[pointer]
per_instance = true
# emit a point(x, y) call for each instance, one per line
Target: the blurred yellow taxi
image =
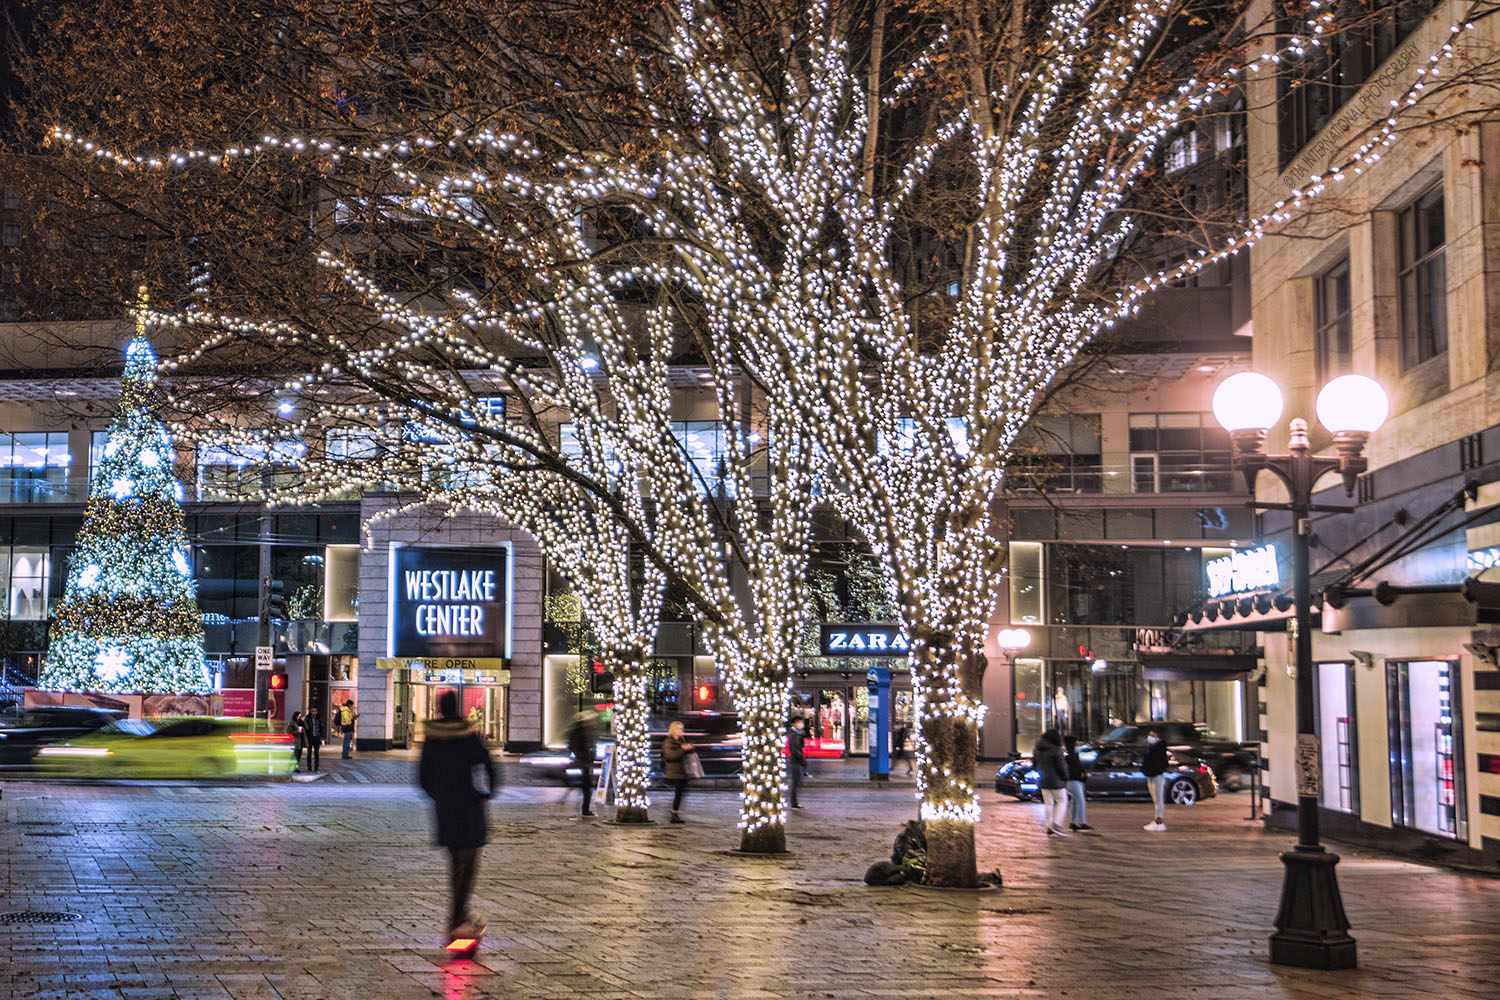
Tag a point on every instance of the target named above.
point(191, 747)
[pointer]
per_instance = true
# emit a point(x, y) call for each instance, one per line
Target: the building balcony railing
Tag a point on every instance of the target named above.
point(1147, 474)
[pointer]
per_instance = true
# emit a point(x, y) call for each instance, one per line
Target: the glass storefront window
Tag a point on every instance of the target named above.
point(1336, 732)
point(1026, 582)
point(1427, 760)
point(29, 571)
point(1029, 704)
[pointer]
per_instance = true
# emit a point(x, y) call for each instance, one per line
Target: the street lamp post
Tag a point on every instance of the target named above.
point(1312, 930)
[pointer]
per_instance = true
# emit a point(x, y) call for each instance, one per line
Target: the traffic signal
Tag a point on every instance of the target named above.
point(601, 681)
point(708, 694)
point(275, 599)
point(276, 682)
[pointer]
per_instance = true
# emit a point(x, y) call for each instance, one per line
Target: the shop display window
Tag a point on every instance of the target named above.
point(1426, 740)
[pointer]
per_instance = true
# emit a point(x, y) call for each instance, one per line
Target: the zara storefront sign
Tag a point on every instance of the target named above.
point(850, 639)
point(1243, 572)
point(449, 603)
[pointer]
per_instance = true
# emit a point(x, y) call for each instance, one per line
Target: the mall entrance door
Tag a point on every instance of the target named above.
point(485, 705)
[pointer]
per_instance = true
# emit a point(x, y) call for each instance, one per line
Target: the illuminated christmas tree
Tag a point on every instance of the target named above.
point(129, 620)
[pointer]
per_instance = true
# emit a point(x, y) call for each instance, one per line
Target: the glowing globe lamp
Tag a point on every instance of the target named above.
point(1248, 401)
point(1352, 404)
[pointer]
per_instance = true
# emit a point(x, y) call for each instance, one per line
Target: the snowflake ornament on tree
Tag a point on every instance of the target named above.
point(129, 619)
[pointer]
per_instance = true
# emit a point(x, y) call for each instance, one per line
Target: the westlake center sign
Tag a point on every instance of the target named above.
point(449, 603)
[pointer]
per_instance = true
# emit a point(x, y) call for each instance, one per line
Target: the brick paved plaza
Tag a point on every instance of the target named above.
point(330, 889)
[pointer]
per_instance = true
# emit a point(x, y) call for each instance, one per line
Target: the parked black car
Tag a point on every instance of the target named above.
point(24, 731)
point(1232, 763)
point(1115, 773)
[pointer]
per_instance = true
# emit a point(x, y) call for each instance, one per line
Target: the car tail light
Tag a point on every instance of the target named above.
point(1205, 769)
point(263, 737)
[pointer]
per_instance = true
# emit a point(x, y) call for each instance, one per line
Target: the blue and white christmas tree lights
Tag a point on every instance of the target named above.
point(129, 618)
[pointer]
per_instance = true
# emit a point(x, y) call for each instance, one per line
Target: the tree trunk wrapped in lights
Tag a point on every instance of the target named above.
point(129, 619)
point(594, 553)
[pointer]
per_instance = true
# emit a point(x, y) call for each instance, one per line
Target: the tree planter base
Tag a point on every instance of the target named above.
point(766, 840)
point(630, 817)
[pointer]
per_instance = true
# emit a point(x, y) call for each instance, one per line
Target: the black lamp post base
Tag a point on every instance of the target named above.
point(1312, 931)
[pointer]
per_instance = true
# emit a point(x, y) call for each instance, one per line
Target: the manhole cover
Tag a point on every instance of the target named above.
point(39, 917)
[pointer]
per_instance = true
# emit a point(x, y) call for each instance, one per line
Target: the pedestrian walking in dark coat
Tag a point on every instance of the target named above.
point(796, 756)
point(452, 755)
point(312, 735)
point(674, 753)
point(583, 740)
point(296, 730)
point(1052, 779)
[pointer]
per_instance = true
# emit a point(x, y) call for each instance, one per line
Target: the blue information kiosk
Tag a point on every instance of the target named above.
point(871, 640)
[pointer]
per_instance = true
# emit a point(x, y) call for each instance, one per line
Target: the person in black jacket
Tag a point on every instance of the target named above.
point(447, 771)
point(1077, 796)
point(296, 731)
point(1155, 769)
point(312, 736)
point(583, 740)
point(796, 756)
point(1052, 779)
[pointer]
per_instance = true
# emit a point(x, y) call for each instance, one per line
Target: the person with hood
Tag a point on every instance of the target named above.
point(1078, 816)
point(452, 757)
point(796, 756)
point(583, 740)
point(1052, 779)
point(1155, 769)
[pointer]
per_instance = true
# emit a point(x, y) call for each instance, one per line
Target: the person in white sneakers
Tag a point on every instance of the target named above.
point(1155, 767)
point(1052, 779)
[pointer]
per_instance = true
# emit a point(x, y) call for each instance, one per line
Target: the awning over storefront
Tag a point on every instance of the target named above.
point(1201, 665)
point(1259, 613)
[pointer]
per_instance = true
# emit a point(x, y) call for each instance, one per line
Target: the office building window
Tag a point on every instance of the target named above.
point(1331, 338)
point(1059, 454)
point(1313, 87)
point(1421, 242)
point(1183, 152)
point(12, 199)
point(37, 467)
point(12, 234)
point(1178, 453)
